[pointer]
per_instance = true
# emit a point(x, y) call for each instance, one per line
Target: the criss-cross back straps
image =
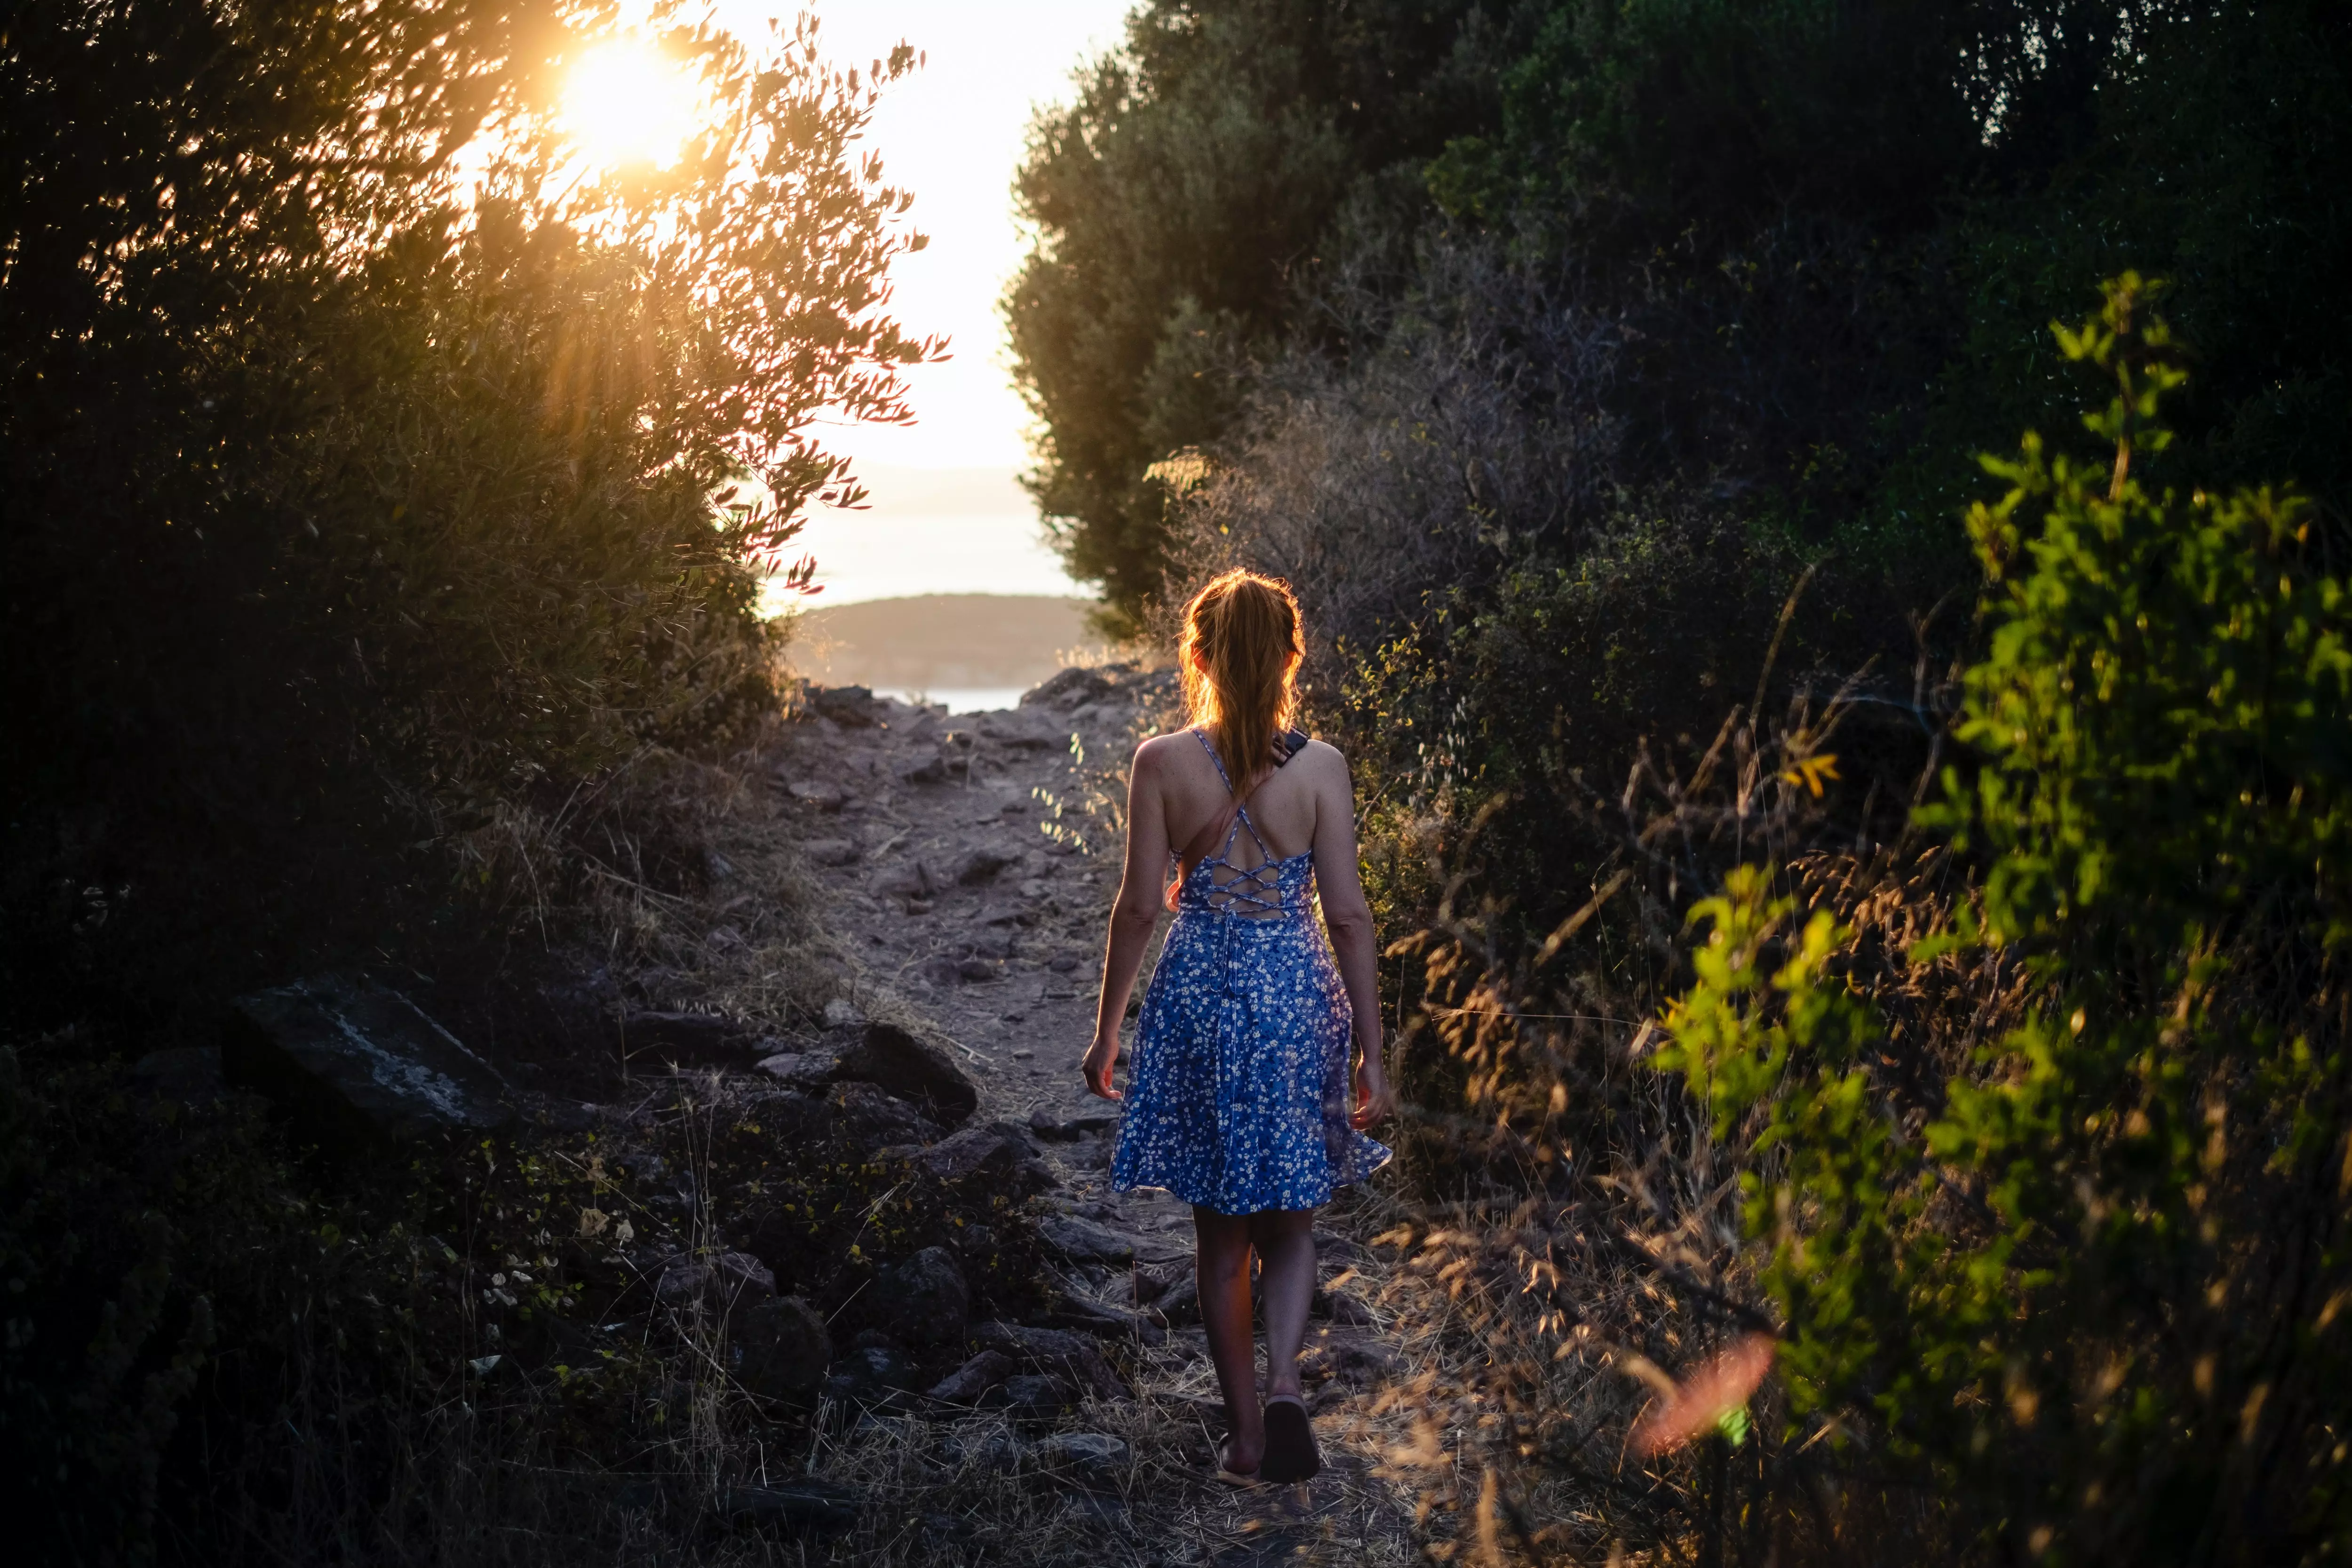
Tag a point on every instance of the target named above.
point(1254, 891)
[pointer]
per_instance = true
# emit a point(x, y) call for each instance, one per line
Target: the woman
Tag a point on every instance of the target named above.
point(1241, 1101)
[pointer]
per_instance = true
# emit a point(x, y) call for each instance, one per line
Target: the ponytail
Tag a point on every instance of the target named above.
point(1240, 655)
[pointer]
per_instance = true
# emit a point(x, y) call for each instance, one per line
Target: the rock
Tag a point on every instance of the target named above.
point(1058, 1350)
point(1034, 1395)
point(1083, 1241)
point(1027, 1343)
point(189, 1074)
point(820, 794)
point(741, 1280)
point(1104, 1321)
point(830, 851)
point(974, 1151)
point(1067, 688)
point(871, 1118)
point(1031, 731)
point(1341, 1307)
point(925, 1299)
point(850, 707)
point(782, 1348)
point(1094, 1453)
point(688, 1039)
point(913, 1070)
point(840, 1013)
point(908, 879)
point(807, 1070)
point(795, 1120)
point(798, 1509)
point(982, 865)
point(1366, 1359)
point(683, 1283)
point(973, 1378)
point(939, 971)
point(1044, 1124)
point(871, 1372)
point(358, 1063)
point(1153, 1282)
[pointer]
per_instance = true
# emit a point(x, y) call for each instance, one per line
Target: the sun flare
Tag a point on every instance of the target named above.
point(627, 104)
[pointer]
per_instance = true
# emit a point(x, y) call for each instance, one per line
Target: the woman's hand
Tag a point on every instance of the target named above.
point(1375, 1102)
point(1101, 1057)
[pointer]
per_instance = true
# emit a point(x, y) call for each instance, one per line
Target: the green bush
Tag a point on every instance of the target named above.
point(2090, 1277)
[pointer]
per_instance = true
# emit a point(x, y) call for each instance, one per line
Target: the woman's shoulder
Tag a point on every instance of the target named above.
point(1320, 755)
point(1153, 749)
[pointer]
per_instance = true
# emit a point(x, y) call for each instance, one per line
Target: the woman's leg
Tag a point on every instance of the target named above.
point(1284, 1240)
point(1222, 1268)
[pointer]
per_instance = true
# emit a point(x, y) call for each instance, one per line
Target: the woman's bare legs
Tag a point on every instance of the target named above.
point(1285, 1240)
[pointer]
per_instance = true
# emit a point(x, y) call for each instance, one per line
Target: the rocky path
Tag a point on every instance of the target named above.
point(970, 860)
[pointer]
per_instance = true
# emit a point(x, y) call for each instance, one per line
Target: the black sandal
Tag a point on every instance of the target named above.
point(1290, 1452)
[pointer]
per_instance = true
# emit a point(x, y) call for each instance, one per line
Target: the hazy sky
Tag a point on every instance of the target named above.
point(952, 134)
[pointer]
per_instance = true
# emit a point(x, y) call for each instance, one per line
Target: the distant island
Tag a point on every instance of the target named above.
point(942, 642)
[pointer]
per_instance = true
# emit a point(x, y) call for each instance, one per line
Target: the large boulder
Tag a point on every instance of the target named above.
point(973, 1378)
point(1083, 1241)
point(925, 1299)
point(782, 1349)
point(358, 1063)
point(850, 707)
point(977, 1154)
point(913, 1070)
point(1068, 689)
point(871, 1120)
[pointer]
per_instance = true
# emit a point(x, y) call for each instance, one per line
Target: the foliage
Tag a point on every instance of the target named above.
point(1179, 201)
point(346, 492)
point(219, 1348)
point(1825, 230)
point(2093, 1273)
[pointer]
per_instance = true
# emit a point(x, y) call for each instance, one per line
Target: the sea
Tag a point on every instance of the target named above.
point(863, 555)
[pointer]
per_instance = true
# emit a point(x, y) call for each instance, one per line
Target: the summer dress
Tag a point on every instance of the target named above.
point(1238, 1095)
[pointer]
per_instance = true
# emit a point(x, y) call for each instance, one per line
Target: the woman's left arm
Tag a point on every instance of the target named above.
point(1348, 916)
point(1132, 915)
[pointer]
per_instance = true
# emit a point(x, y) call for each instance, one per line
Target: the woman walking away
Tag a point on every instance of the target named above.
point(1242, 1100)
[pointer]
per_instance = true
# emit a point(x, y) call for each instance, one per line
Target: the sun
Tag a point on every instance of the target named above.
point(627, 104)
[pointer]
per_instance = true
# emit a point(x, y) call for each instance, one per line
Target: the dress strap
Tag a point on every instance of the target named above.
point(1214, 761)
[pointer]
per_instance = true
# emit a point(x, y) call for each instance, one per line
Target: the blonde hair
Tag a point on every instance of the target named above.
point(1239, 654)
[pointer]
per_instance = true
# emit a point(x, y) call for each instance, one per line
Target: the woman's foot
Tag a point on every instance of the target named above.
point(1230, 1471)
point(1290, 1452)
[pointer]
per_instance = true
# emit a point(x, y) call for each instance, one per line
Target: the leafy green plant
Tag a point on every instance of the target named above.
point(2093, 1273)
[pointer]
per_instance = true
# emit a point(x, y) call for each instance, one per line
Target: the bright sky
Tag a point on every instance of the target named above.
point(952, 133)
point(945, 515)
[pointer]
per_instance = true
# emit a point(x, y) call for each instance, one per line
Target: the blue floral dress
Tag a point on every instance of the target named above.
point(1238, 1095)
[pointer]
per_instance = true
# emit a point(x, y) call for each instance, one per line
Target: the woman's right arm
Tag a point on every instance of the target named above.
point(1132, 915)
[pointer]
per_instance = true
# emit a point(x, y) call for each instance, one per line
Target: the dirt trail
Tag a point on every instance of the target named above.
point(971, 861)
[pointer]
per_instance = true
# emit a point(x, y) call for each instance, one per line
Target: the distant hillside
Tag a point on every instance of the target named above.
point(940, 641)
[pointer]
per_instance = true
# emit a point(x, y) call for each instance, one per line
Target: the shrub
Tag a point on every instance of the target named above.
point(340, 491)
point(2090, 1272)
